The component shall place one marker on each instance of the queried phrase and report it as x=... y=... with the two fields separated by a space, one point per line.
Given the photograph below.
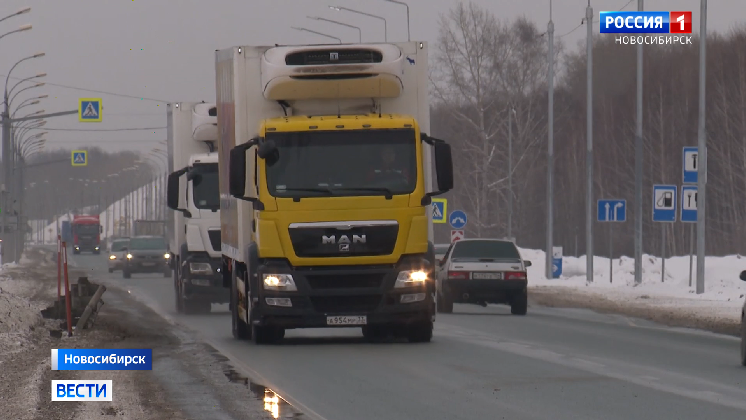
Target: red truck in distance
x=86 y=231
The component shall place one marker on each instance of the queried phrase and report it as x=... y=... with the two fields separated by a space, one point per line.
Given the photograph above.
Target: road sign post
x=440 y=205
x=457 y=235
x=611 y=210
x=79 y=158
x=690 y=165
x=689 y=203
x=664 y=203
x=89 y=110
x=457 y=219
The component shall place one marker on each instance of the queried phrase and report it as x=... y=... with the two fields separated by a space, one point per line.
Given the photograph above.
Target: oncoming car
x=483 y=271
x=117 y=254
x=147 y=254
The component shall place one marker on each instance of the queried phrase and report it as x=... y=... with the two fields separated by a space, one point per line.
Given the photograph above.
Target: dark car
x=483 y=271
x=147 y=254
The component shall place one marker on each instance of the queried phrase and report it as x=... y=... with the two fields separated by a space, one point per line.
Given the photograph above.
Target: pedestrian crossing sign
x=89 y=109
x=439 y=210
x=80 y=158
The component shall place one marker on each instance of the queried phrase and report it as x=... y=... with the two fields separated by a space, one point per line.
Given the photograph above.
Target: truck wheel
x=743 y=341
x=126 y=274
x=239 y=328
x=167 y=272
x=519 y=303
x=445 y=304
x=420 y=333
x=267 y=334
x=374 y=333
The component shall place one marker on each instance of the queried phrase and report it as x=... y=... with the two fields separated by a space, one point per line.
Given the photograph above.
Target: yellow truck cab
x=326 y=218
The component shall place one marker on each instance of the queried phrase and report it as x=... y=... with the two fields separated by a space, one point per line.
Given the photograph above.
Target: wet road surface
x=483 y=363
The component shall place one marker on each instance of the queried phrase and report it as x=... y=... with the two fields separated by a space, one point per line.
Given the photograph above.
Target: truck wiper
x=389 y=194
x=311 y=189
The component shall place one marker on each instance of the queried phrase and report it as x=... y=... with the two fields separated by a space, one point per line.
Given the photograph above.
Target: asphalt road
x=483 y=363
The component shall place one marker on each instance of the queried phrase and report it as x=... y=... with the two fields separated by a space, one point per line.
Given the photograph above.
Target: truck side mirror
x=237 y=172
x=268 y=151
x=172 y=191
x=444 y=166
x=743 y=275
x=100 y=229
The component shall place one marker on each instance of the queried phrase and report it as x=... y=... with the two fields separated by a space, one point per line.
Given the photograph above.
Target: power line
x=142 y=98
x=102 y=129
x=582 y=22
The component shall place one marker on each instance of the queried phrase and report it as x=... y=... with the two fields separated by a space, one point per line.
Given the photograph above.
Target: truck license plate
x=346 y=320
x=487 y=276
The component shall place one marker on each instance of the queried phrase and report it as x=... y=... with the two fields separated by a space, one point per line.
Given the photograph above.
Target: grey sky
x=164 y=49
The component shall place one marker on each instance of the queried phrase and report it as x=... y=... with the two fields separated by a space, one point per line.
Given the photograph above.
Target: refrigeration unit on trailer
x=194 y=240
x=326 y=186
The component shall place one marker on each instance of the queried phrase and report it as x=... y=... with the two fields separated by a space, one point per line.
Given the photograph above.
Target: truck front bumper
x=357 y=291
x=199 y=282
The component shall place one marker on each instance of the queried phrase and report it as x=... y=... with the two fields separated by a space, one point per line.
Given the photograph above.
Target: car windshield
x=478 y=250
x=206 y=194
x=145 y=244
x=87 y=230
x=343 y=163
x=118 y=246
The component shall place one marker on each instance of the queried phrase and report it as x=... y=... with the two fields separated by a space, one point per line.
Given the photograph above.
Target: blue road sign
x=612 y=210
x=79 y=158
x=690 y=165
x=439 y=210
x=89 y=109
x=664 y=203
x=457 y=219
x=689 y=203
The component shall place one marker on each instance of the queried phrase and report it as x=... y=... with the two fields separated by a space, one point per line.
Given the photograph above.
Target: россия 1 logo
x=645 y=22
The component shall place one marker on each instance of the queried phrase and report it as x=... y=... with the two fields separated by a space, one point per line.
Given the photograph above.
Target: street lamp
x=26 y=79
x=385 y=30
x=26 y=88
x=407 y=6
x=20 y=12
x=23 y=105
x=20 y=29
x=359 y=31
x=317 y=33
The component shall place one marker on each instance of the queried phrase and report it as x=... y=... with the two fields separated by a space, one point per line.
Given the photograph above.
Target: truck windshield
x=147 y=244
x=118 y=246
x=205 y=186
x=343 y=163
x=86 y=230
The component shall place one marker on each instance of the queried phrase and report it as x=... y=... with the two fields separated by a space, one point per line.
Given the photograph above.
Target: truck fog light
x=412 y=297
x=285 y=302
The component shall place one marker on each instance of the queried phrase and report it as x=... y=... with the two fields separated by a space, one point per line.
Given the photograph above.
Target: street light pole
x=385 y=29
x=359 y=31
x=702 y=150
x=511 y=111
x=548 y=257
x=638 y=165
x=409 y=38
x=589 y=151
x=317 y=33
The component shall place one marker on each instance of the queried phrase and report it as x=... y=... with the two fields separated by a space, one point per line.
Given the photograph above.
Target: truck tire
x=444 y=304
x=743 y=341
x=420 y=333
x=266 y=334
x=375 y=333
x=519 y=303
x=239 y=328
x=167 y=272
x=178 y=303
x=111 y=270
x=126 y=274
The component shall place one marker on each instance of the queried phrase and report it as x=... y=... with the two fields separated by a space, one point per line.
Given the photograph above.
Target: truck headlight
x=129 y=256
x=200 y=268
x=112 y=257
x=279 y=282
x=166 y=256
x=410 y=278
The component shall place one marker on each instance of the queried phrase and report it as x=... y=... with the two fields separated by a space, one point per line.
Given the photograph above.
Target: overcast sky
x=164 y=49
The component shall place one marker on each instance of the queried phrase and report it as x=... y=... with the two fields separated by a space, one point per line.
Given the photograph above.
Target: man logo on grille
x=344 y=247
x=333 y=56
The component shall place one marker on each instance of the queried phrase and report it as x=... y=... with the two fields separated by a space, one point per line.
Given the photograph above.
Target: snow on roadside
x=724 y=291
x=18 y=316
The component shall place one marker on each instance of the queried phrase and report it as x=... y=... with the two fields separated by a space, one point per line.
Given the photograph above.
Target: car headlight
x=112 y=257
x=280 y=282
x=129 y=256
x=410 y=278
x=166 y=256
x=200 y=268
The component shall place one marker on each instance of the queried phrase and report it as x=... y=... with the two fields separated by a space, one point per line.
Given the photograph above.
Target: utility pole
x=589 y=152
x=702 y=150
x=550 y=150
x=638 y=165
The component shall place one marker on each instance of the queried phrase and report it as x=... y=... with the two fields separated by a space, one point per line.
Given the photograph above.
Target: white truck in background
x=192 y=192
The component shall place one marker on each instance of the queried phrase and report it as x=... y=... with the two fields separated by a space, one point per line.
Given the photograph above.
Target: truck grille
x=353 y=281
x=214 y=236
x=345 y=304
x=353 y=242
x=317 y=57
